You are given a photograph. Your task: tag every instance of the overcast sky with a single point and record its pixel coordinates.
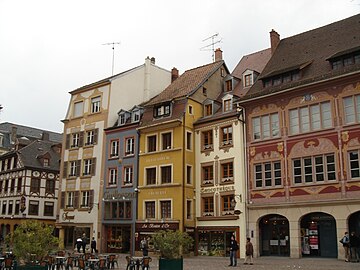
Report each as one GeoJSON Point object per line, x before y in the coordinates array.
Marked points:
{"type": "Point", "coordinates": [49, 47]}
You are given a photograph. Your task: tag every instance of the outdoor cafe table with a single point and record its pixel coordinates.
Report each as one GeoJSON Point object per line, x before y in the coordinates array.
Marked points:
{"type": "Point", "coordinates": [60, 260]}
{"type": "Point", "coordinates": [137, 261]}
{"type": "Point", "coordinates": [92, 263]}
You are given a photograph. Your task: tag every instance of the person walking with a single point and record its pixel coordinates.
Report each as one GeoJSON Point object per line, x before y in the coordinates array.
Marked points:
{"type": "Point", "coordinates": [249, 252]}
{"type": "Point", "coordinates": [354, 247]}
{"type": "Point", "coordinates": [144, 247]}
{"type": "Point", "coordinates": [233, 250]}
{"type": "Point", "coordinates": [78, 244]}
{"type": "Point", "coordinates": [345, 241]}
{"type": "Point", "coordinates": [93, 245]}
{"type": "Point", "coordinates": [84, 241]}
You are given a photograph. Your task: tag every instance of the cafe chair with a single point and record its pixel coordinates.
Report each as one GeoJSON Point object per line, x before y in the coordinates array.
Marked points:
{"type": "Point", "coordinates": [146, 263]}
{"type": "Point", "coordinates": [8, 264]}
{"type": "Point", "coordinates": [130, 263]}
{"type": "Point", "coordinates": [81, 264]}
{"type": "Point", "coordinates": [69, 263]}
{"type": "Point", "coordinates": [102, 264]}
{"type": "Point", "coordinates": [113, 261]}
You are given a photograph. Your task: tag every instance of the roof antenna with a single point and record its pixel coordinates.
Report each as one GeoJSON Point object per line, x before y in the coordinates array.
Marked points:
{"type": "Point", "coordinates": [212, 44]}
{"type": "Point", "coordinates": [113, 48]}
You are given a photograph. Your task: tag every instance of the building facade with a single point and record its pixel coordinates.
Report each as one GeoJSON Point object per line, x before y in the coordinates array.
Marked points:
{"type": "Point", "coordinates": [93, 108]}
{"type": "Point", "coordinates": [29, 183]}
{"type": "Point", "coordinates": [303, 128]}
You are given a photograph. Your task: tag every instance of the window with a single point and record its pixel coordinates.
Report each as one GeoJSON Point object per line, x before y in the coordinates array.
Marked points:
{"type": "Point", "coordinates": [188, 209]}
{"type": "Point", "coordinates": [122, 119]}
{"type": "Point", "coordinates": [228, 85]}
{"type": "Point", "coordinates": [166, 174]}
{"type": "Point", "coordinates": [112, 177]}
{"type": "Point", "coordinates": [95, 105]}
{"type": "Point", "coordinates": [207, 174]}
{"type": "Point", "coordinates": [46, 162]}
{"type": "Point", "coordinates": [282, 78]}
{"type": "Point", "coordinates": [70, 199]}
{"type": "Point", "coordinates": [35, 185]}
{"type": "Point", "coordinates": [75, 140]}
{"type": "Point", "coordinates": [267, 174]}
{"type": "Point", "coordinates": [208, 109]}
{"type": "Point", "coordinates": [19, 185]}
{"type": "Point", "coordinates": [352, 109]}
{"type": "Point", "coordinates": [150, 176]}
{"type": "Point", "coordinates": [208, 206]}
{"type": "Point", "coordinates": [17, 207]}
{"type": "Point", "coordinates": [10, 208]}
{"type": "Point", "coordinates": [150, 210]}
{"type": "Point", "coordinates": [33, 208]}
{"type": "Point", "coordinates": [85, 198]}
{"type": "Point", "coordinates": [124, 210]}
{"type": "Point", "coordinates": [315, 169]}
{"type": "Point", "coordinates": [310, 118]}
{"type": "Point", "coordinates": [165, 209]}
{"type": "Point", "coordinates": [128, 175]}
{"type": "Point", "coordinates": [6, 188]}
{"type": "Point", "coordinates": [48, 209]}
{"type": "Point", "coordinates": [227, 209]}
{"type": "Point", "coordinates": [227, 105]}
{"type": "Point", "coordinates": [50, 186]}
{"type": "Point", "coordinates": [166, 140]}
{"type": "Point", "coordinates": [207, 140]}
{"type": "Point", "coordinates": [136, 116]}
{"type": "Point", "coordinates": [188, 174]}
{"type": "Point", "coordinates": [74, 168]}
{"type": "Point", "coordinates": [91, 137]}
{"type": "Point", "coordinates": [129, 146]}
{"type": "Point", "coordinates": [12, 186]}
{"type": "Point", "coordinates": [204, 90]}
{"type": "Point", "coordinates": [227, 172]}
{"type": "Point", "coordinates": [88, 167]}
{"type": "Point", "coordinates": [188, 140]}
{"type": "Point", "coordinates": [190, 109]}
{"type": "Point", "coordinates": [3, 212]}
{"type": "Point", "coordinates": [248, 80]}
{"type": "Point", "coordinates": [162, 110]}
{"type": "Point", "coordinates": [114, 148]}
{"type": "Point", "coordinates": [78, 109]}
{"type": "Point", "coordinates": [1, 140]}
{"type": "Point", "coordinates": [354, 164]}
{"type": "Point", "coordinates": [346, 60]}
{"type": "Point", "coordinates": [265, 126]}
{"type": "Point", "coordinates": [151, 143]}
{"type": "Point", "coordinates": [226, 136]}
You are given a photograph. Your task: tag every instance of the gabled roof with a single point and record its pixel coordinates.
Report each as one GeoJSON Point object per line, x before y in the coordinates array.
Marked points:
{"type": "Point", "coordinates": [311, 50]}
{"type": "Point", "coordinates": [187, 83]}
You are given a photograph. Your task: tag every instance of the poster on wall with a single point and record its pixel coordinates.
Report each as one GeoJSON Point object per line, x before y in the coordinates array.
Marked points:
{"type": "Point", "coordinates": [314, 242]}
{"type": "Point", "coordinates": [305, 246]}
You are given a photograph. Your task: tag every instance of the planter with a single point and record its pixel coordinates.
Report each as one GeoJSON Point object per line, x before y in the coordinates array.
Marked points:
{"type": "Point", "coordinates": [171, 264]}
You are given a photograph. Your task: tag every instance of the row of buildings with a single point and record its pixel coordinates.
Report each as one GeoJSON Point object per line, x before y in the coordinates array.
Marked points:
{"type": "Point", "coordinates": [269, 151]}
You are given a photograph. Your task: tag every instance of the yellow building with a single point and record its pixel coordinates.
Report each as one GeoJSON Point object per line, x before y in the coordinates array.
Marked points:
{"type": "Point", "coordinates": [166, 198]}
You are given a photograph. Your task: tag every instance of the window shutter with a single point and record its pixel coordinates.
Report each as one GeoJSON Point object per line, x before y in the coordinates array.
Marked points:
{"type": "Point", "coordinates": [76, 199]}
{"type": "Point", "coordinates": [78, 167]}
{"type": "Point", "coordinates": [91, 197]}
{"type": "Point", "coordinates": [96, 131]}
{"type": "Point", "coordinates": [62, 202]}
{"type": "Point", "coordinates": [81, 139]}
{"type": "Point", "coordinates": [93, 165]}
{"type": "Point", "coordinates": [67, 143]}
{"type": "Point", "coordinates": [65, 169]}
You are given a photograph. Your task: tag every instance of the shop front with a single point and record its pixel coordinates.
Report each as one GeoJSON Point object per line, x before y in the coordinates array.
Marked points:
{"type": "Point", "coordinates": [118, 238]}
{"type": "Point", "coordinates": [148, 229]}
{"type": "Point", "coordinates": [214, 241]}
{"type": "Point", "coordinates": [318, 235]}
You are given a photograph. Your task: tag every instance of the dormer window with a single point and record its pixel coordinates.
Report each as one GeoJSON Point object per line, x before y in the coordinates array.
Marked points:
{"type": "Point", "coordinates": [208, 109]}
{"type": "Point", "coordinates": [122, 119]}
{"type": "Point", "coordinates": [46, 162]}
{"type": "Point", "coordinates": [1, 139]}
{"type": "Point", "coordinates": [136, 116]}
{"type": "Point", "coordinates": [345, 58]}
{"type": "Point", "coordinates": [248, 81]}
{"type": "Point", "coordinates": [162, 110]}
{"type": "Point", "coordinates": [228, 85]}
{"type": "Point", "coordinates": [227, 105]}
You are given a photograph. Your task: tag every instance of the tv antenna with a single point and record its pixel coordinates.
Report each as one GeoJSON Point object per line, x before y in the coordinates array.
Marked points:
{"type": "Point", "coordinates": [214, 40]}
{"type": "Point", "coordinates": [113, 48]}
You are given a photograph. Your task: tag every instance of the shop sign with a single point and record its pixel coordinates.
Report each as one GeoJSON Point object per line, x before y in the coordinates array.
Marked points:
{"type": "Point", "coordinates": [217, 189]}
{"type": "Point", "coordinates": [152, 226]}
{"type": "Point", "coordinates": [116, 195]}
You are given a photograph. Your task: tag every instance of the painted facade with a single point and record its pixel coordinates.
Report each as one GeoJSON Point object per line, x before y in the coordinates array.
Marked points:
{"type": "Point", "coordinates": [303, 144]}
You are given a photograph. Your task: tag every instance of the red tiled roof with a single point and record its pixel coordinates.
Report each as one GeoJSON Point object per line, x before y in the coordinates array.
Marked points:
{"type": "Point", "coordinates": [255, 61]}
{"type": "Point", "coordinates": [187, 83]}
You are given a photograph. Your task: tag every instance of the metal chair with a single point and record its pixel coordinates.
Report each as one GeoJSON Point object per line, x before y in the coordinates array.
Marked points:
{"type": "Point", "coordinates": [102, 264]}
{"type": "Point", "coordinates": [113, 261]}
{"type": "Point", "coordinates": [146, 263]}
{"type": "Point", "coordinates": [82, 264]}
{"type": "Point", "coordinates": [69, 263]}
{"type": "Point", "coordinates": [8, 264]}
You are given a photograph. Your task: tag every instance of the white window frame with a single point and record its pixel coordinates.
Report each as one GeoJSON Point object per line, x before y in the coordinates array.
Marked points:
{"type": "Point", "coordinates": [70, 199]}
{"type": "Point", "coordinates": [136, 116]}
{"type": "Point", "coordinates": [129, 146]}
{"type": "Point", "coordinates": [112, 178]}
{"type": "Point", "coordinates": [351, 109]}
{"type": "Point", "coordinates": [90, 137]}
{"type": "Point", "coordinates": [269, 172]}
{"type": "Point", "coordinates": [266, 126]}
{"type": "Point", "coordinates": [128, 177]}
{"type": "Point", "coordinates": [75, 140]}
{"type": "Point", "coordinates": [95, 104]}
{"type": "Point", "coordinates": [354, 164]}
{"type": "Point", "coordinates": [87, 166]}
{"type": "Point", "coordinates": [114, 148]}
{"type": "Point", "coordinates": [85, 198]}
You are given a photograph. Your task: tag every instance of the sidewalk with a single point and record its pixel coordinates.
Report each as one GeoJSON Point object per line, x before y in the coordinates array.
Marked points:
{"type": "Point", "coordinates": [268, 263]}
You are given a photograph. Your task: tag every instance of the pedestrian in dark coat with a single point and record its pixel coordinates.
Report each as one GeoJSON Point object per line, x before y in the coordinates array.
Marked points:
{"type": "Point", "coordinates": [84, 242]}
{"type": "Point", "coordinates": [78, 244]}
{"type": "Point", "coordinates": [93, 245]}
{"type": "Point", "coordinates": [249, 252]}
{"type": "Point", "coordinates": [233, 250]}
{"type": "Point", "coordinates": [354, 247]}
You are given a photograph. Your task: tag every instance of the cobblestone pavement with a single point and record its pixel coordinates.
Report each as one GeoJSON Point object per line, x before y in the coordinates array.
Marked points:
{"type": "Point", "coordinates": [268, 263]}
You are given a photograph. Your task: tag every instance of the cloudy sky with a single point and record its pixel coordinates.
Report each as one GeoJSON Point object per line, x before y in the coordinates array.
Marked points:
{"type": "Point", "coordinates": [51, 47]}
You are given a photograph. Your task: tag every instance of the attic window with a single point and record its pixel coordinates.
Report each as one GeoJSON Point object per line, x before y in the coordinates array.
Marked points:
{"type": "Point", "coordinates": [46, 162]}
{"type": "Point", "coordinates": [228, 85]}
{"type": "Point", "coordinates": [204, 91]}
{"type": "Point", "coordinates": [208, 109]}
{"type": "Point", "coordinates": [136, 116]}
{"type": "Point", "coordinates": [162, 110]}
{"type": "Point", "coordinates": [227, 105]}
{"type": "Point", "coordinates": [247, 80]}
{"type": "Point", "coordinates": [282, 78]}
{"type": "Point", "coordinates": [122, 119]}
{"type": "Point", "coordinates": [1, 139]}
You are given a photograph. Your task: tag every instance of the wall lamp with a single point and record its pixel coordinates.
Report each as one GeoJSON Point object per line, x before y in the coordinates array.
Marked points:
{"type": "Point", "coordinates": [233, 203]}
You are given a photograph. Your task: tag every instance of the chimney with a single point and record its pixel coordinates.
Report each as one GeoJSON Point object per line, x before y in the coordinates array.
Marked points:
{"type": "Point", "coordinates": [274, 40]}
{"type": "Point", "coordinates": [152, 60]}
{"type": "Point", "coordinates": [13, 134]}
{"type": "Point", "coordinates": [218, 55]}
{"type": "Point", "coordinates": [174, 74]}
{"type": "Point", "coordinates": [45, 136]}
